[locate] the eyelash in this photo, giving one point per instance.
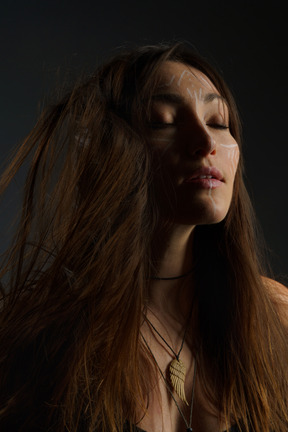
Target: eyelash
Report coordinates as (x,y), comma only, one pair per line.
(218,126)
(162,125)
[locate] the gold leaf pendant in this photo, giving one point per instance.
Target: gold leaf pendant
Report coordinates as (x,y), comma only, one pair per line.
(177,372)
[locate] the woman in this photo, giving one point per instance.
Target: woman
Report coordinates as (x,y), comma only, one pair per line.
(136,298)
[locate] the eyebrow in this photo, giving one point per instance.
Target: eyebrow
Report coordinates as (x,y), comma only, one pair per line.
(210,97)
(176,99)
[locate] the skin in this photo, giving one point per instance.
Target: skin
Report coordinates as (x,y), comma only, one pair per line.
(188,130)
(185,135)
(188,134)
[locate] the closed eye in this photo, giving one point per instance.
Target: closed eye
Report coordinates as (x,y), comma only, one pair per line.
(218,126)
(161,125)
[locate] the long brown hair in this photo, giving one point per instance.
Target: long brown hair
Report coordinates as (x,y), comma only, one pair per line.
(76,274)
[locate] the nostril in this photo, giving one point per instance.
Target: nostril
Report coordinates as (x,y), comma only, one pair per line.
(201,142)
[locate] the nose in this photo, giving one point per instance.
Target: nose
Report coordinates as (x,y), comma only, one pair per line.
(198,141)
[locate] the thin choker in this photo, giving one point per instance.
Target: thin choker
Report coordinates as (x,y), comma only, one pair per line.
(173,277)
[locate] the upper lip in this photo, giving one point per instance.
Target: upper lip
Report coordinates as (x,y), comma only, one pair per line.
(210,172)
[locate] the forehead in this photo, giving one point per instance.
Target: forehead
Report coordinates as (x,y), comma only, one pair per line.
(173,74)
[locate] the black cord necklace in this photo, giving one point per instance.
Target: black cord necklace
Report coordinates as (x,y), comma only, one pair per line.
(173,277)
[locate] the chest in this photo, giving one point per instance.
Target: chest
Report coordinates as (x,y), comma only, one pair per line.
(167,412)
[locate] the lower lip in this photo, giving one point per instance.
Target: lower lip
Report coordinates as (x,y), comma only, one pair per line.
(205,183)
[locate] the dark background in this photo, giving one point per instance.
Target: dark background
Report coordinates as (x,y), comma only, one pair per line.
(47,43)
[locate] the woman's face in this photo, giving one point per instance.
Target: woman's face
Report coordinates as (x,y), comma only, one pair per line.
(196,156)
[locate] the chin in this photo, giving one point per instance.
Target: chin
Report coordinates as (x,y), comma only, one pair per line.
(205,220)
(204,214)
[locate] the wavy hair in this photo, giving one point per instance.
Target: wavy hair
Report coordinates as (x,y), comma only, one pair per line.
(76,274)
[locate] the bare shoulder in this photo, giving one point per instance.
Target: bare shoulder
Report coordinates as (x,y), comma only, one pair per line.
(279,297)
(276,289)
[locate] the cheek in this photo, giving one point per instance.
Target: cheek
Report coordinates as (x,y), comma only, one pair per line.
(230,156)
(163,142)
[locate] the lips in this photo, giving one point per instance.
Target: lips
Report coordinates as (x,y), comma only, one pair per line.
(207,177)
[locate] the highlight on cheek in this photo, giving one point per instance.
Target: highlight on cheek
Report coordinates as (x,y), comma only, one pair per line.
(229,146)
(233,156)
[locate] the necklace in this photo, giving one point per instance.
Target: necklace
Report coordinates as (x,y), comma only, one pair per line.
(173,277)
(177,369)
(187,424)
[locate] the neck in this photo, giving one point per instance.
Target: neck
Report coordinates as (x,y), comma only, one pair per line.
(173,258)
(173,251)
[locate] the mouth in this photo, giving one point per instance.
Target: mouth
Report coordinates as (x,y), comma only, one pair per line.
(207,177)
